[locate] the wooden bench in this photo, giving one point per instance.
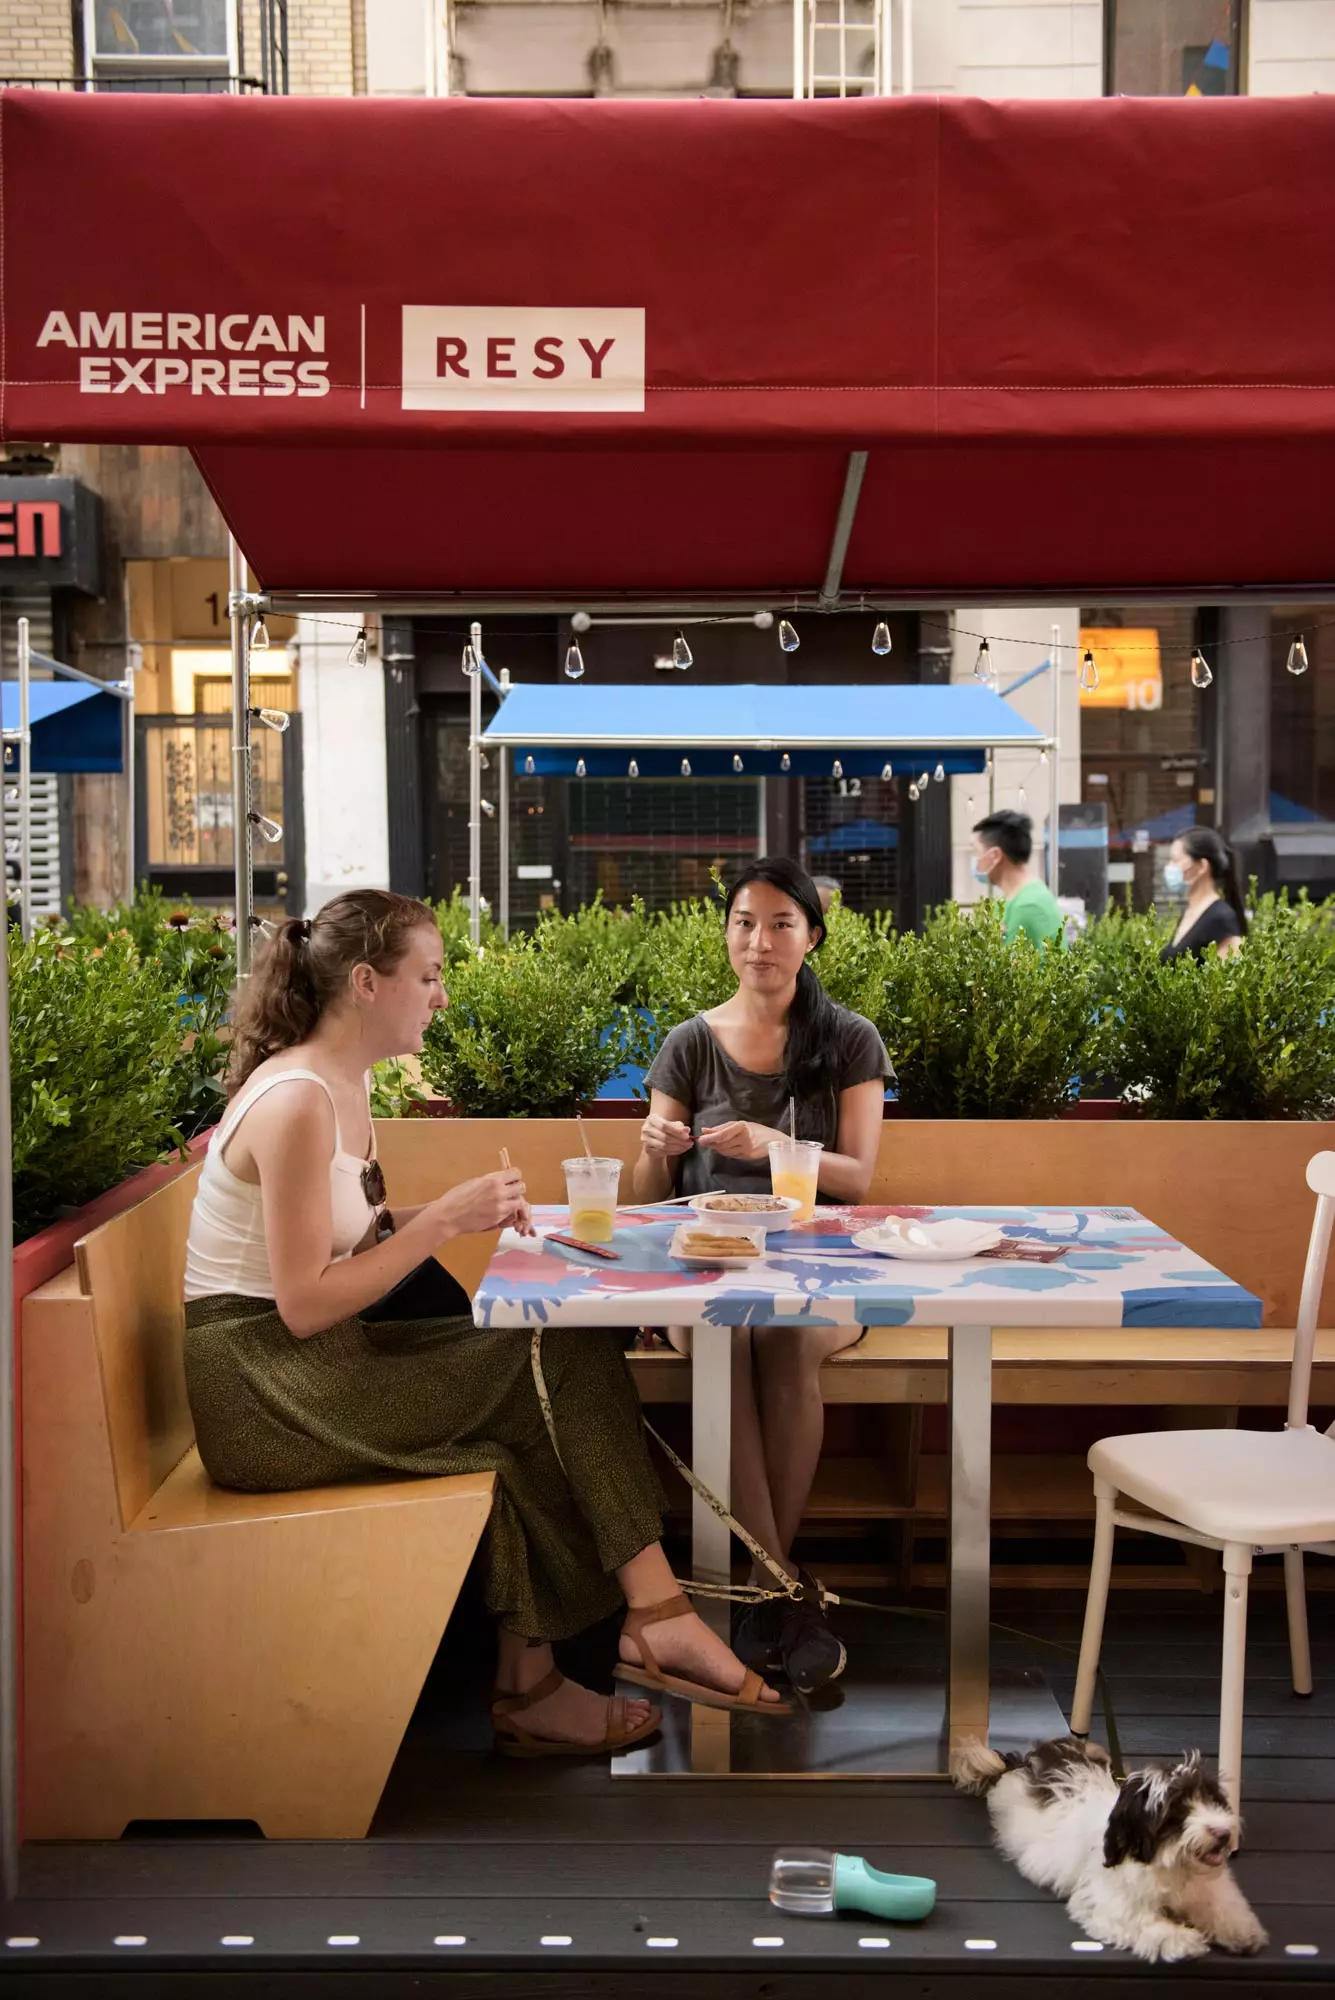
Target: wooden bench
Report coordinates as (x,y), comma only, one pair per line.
(191,1653)
(1176,1375)
(1235,1193)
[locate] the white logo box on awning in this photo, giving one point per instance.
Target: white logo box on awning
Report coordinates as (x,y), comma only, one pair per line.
(555,358)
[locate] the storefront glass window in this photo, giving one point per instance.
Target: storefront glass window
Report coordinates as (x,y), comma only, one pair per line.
(1142,739)
(1172,48)
(146,31)
(1302,715)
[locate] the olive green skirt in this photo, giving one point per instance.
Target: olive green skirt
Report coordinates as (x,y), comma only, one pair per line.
(429,1396)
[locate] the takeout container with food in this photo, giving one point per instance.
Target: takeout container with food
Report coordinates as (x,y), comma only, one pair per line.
(750,1212)
(704,1246)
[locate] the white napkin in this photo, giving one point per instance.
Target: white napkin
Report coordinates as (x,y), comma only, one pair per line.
(954,1237)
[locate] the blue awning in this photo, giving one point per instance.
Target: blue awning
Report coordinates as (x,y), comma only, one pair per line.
(74,727)
(863,727)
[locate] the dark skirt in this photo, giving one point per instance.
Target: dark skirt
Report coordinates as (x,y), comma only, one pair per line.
(427,1396)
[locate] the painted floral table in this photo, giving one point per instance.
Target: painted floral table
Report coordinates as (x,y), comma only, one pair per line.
(1068,1268)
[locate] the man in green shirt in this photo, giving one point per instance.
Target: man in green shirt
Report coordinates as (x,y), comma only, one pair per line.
(1002,845)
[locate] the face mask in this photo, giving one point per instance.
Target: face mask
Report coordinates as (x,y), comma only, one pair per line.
(980,874)
(1173,878)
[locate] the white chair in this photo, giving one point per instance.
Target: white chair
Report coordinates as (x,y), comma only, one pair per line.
(1246,1493)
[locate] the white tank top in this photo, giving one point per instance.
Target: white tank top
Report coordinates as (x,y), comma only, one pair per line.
(226,1250)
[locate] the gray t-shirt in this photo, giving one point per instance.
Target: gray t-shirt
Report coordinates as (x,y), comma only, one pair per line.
(694,1067)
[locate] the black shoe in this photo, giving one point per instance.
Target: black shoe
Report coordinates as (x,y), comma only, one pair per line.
(812,1654)
(755,1638)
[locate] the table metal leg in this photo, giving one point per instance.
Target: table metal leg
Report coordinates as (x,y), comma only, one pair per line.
(711,1541)
(970,1395)
(711,1449)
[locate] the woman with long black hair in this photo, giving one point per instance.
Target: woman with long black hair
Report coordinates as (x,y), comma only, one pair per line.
(721,1085)
(1200,862)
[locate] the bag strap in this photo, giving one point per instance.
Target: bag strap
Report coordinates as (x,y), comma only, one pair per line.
(743,1593)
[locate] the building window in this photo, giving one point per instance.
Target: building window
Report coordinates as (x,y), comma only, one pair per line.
(1143,744)
(1302,716)
(1172,48)
(160,44)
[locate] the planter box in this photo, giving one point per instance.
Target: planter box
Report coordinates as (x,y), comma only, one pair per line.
(40,1257)
(1234,1192)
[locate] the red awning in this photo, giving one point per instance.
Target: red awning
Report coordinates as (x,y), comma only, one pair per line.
(569,348)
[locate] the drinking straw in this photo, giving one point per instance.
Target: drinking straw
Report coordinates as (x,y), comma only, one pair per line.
(588,1149)
(505,1160)
(792,1117)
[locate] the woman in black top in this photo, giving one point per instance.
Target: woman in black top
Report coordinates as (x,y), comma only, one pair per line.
(1201,863)
(721,1085)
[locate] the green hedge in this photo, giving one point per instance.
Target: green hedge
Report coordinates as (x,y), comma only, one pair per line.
(118,1039)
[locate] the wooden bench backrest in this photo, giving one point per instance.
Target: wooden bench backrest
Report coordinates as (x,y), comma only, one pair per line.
(133,1270)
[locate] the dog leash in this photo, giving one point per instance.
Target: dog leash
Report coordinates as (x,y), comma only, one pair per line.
(789,1586)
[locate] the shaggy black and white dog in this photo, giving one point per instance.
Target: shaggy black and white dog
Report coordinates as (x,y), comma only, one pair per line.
(1143,1866)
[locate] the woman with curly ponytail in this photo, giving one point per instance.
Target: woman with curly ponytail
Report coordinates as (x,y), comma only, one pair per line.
(721,1086)
(324,1342)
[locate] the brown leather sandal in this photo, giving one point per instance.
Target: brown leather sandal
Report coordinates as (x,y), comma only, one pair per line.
(651,1675)
(511,1738)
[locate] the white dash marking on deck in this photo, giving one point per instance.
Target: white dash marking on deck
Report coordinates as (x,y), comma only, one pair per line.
(874,1944)
(767,1943)
(343,1938)
(980,1944)
(236,1938)
(1302,1950)
(661,1944)
(126,1940)
(450,1940)
(22,1943)
(1086,1944)
(555,1940)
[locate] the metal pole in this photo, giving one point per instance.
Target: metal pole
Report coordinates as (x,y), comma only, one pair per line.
(9,1462)
(762,818)
(25,778)
(799,31)
(1054,789)
(133,656)
(503,809)
(240,619)
(475,790)
(905,48)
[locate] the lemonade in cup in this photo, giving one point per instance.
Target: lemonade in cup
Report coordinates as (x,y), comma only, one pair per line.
(591,1190)
(794,1165)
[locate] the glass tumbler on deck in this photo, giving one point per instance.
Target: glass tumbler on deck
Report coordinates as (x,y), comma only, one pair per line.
(794,1168)
(591,1190)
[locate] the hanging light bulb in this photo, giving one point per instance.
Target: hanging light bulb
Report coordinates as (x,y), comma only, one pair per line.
(581,769)
(685,767)
(736,763)
(357,650)
(940,774)
(681,652)
(267,829)
(785,762)
(488,808)
(914,793)
(968,803)
(632,769)
(1297,660)
(1089,673)
(276,719)
(880,639)
(788,638)
(259,637)
(982,666)
(574,661)
(836,769)
(529,767)
(924,781)
(1043,756)
(484,760)
(468,660)
(1201,676)
(887,773)
(1020,795)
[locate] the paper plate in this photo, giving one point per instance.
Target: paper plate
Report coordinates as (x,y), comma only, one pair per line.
(706,1263)
(948,1242)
